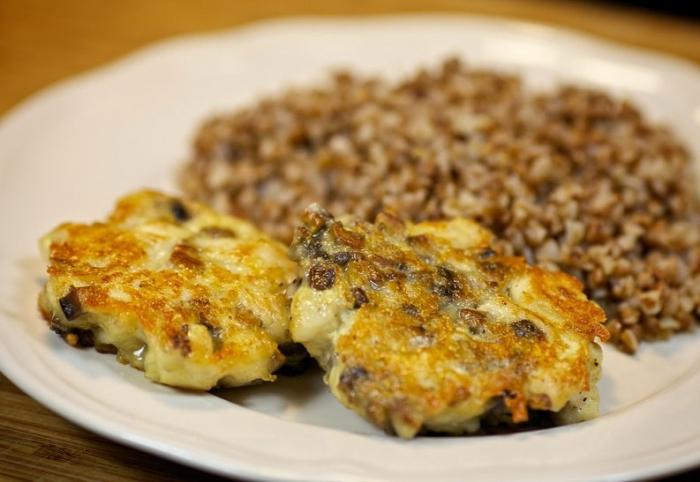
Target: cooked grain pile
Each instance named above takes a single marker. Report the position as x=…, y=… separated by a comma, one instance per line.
x=572, y=178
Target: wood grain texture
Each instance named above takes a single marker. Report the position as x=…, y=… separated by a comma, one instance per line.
x=45, y=41
x=36, y=445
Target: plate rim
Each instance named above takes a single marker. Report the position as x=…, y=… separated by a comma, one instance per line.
x=15, y=372
x=151, y=48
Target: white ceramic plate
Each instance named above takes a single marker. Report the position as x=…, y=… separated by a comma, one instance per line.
x=70, y=151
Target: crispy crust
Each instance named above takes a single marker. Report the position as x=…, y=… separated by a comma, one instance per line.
x=194, y=298
x=425, y=326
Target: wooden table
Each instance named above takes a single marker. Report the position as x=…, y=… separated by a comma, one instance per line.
x=44, y=41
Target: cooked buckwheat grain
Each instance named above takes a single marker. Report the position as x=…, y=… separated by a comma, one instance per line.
x=573, y=179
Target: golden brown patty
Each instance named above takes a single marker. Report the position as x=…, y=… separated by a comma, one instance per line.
x=424, y=326
x=194, y=298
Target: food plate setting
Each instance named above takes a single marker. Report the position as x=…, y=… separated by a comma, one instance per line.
x=70, y=152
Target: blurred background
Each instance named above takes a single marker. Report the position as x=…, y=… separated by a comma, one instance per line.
x=677, y=8
x=42, y=42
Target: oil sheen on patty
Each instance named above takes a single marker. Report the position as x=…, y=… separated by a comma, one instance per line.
x=193, y=298
x=424, y=327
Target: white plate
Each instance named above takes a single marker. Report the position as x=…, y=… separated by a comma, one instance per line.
x=70, y=151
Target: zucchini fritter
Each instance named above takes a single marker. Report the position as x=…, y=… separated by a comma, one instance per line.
x=193, y=298
x=424, y=326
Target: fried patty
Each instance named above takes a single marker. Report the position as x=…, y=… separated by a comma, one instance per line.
x=193, y=298
x=424, y=326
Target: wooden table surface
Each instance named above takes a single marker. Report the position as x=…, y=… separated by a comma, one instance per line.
x=44, y=41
